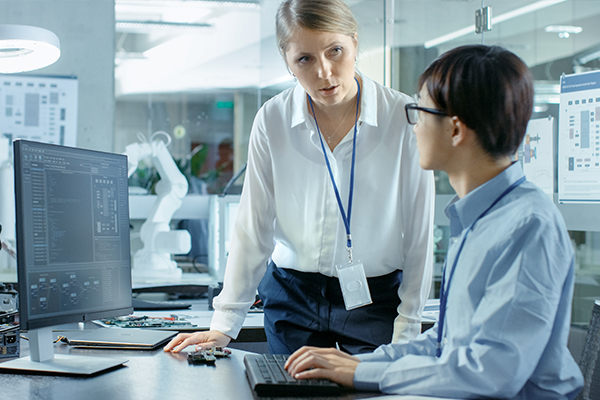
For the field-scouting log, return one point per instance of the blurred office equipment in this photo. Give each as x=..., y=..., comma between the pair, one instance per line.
x=7, y=206
x=72, y=248
x=26, y=48
x=589, y=364
x=221, y=221
x=9, y=322
x=536, y=154
x=153, y=261
x=229, y=187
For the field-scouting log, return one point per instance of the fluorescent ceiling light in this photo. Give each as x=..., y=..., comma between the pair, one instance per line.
x=133, y=24
x=538, y=5
x=182, y=12
x=124, y=5
x=26, y=48
x=563, y=31
x=563, y=28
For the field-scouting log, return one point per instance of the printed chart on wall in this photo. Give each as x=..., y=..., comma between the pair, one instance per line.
x=579, y=138
x=536, y=154
x=39, y=108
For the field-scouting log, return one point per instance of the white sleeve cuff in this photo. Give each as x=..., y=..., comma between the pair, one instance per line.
x=229, y=322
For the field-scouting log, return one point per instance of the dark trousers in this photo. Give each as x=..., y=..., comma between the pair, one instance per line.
x=304, y=308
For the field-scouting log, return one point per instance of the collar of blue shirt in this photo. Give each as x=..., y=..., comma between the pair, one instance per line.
x=463, y=212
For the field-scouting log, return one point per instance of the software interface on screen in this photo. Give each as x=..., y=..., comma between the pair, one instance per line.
x=73, y=233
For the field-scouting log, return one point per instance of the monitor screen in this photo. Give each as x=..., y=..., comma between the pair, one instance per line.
x=72, y=216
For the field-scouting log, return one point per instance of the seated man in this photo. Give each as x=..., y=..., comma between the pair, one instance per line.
x=508, y=280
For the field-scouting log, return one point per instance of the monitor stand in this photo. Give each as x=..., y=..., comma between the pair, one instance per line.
x=43, y=360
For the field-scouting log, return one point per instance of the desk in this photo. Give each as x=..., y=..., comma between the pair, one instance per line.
x=252, y=328
x=147, y=375
x=199, y=314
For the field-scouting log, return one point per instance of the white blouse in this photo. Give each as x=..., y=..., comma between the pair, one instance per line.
x=288, y=211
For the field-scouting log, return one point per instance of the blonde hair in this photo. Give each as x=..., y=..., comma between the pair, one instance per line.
x=320, y=15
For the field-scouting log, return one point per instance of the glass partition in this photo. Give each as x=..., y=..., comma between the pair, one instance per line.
x=199, y=70
x=553, y=37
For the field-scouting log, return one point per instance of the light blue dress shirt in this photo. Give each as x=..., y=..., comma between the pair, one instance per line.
x=509, y=306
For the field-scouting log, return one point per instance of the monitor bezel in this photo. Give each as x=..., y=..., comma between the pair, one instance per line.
x=22, y=282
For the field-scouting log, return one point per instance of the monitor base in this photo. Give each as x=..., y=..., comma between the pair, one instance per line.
x=62, y=364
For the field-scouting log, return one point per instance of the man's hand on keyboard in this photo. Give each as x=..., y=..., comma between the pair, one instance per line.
x=314, y=362
x=202, y=340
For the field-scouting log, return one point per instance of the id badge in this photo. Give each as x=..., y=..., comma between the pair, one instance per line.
x=353, y=283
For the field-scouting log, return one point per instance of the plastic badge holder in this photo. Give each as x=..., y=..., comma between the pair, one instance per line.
x=353, y=283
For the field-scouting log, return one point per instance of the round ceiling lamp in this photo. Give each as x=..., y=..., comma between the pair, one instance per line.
x=26, y=48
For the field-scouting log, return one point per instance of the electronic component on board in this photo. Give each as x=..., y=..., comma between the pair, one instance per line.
x=201, y=357
x=9, y=322
x=208, y=356
x=220, y=352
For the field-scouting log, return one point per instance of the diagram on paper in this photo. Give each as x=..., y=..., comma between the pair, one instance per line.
x=536, y=154
x=579, y=138
x=39, y=108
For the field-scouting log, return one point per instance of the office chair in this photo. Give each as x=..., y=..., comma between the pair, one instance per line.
x=590, y=363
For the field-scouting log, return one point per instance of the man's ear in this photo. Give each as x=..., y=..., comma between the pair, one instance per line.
x=460, y=131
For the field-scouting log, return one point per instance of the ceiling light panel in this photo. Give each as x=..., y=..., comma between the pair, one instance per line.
x=26, y=48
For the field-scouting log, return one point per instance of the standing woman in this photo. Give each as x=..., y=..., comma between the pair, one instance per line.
x=333, y=193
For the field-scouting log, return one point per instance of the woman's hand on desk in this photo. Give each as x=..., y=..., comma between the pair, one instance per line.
x=329, y=363
x=202, y=340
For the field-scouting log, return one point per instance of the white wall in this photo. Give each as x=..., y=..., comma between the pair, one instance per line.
x=86, y=30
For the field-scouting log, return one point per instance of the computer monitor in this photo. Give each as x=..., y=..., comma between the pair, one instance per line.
x=73, y=255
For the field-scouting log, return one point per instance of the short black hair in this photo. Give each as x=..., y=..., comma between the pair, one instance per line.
x=488, y=88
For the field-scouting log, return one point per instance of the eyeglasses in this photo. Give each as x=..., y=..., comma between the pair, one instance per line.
x=412, y=112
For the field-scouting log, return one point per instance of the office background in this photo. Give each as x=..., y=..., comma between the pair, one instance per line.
x=199, y=70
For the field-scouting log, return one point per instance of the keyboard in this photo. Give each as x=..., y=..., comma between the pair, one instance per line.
x=267, y=377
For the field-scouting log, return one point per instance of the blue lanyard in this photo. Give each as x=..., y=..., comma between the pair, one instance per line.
x=443, y=290
x=345, y=218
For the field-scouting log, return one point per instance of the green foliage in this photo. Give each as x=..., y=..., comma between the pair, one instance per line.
x=197, y=160
x=145, y=176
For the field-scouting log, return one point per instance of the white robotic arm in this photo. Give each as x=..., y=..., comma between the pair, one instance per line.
x=153, y=261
